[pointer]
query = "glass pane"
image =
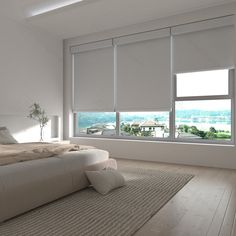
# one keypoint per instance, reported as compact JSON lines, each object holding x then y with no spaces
{"x":205,"y":83}
{"x":207,"y":119}
{"x":144,"y":124}
{"x":96,"y":123}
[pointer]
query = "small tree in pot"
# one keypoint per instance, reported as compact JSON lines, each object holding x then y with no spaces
{"x":38,"y":114}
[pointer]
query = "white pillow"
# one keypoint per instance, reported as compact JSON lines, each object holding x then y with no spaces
{"x":6,"y":137}
{"x":105,"y":180}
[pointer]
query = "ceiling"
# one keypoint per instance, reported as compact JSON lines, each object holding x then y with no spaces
{"x":92,"y":16}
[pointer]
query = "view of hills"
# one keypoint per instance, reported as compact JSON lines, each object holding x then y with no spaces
{"x":87,"y":119}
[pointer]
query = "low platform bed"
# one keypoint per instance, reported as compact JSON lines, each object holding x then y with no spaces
{"x":29,"y":184}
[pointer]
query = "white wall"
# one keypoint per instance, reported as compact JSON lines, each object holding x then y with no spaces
{"x":180,"y":153}
{"x":31,"y":63}
{"x":191,"y":154}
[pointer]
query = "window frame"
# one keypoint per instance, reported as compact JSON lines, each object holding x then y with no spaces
{"x":172,"y":130}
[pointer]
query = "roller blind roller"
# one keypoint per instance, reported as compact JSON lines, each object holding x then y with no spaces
{"x":94,"y":77}
{"x":144,"y":72}
{"x":204,"y":45}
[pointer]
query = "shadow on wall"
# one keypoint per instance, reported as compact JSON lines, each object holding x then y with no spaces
{"x":26,"y":130}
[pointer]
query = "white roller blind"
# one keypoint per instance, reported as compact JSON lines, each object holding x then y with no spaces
{"x":144,"y":72}
{"x":206,"y":45}
{"x":94,"y":76}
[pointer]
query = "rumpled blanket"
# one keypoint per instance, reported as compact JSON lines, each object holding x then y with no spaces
{"x":14,"y":153}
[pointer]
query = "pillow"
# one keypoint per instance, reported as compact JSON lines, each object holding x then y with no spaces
{"x":105,"y":180}
{"x":6,"y":137}
{"x":110,"y":163}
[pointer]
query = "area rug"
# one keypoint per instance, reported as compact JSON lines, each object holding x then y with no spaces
{"x":87,"y":213}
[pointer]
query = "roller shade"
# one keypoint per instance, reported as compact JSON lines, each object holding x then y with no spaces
{"x":204,"y":45}
{"x":143,"y":66}
{"x":94,"y":76}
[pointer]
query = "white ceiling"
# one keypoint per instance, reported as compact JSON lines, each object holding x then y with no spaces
{"x":92,"y":16}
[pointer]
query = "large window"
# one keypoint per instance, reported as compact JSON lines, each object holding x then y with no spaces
{"x":174,"y":84}
{"x":202,"y":112}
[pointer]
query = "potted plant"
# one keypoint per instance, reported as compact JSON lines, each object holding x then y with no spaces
{"x":38,"y":114}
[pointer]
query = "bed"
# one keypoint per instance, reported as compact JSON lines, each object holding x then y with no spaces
{"x":30,"y":183}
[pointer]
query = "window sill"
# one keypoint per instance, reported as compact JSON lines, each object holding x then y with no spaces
{"x":159,"y":141}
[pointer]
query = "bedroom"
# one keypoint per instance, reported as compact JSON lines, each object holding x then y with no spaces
{"x":41,"y":46}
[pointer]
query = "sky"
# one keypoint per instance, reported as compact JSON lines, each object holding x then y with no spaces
{"x":202,"y":83}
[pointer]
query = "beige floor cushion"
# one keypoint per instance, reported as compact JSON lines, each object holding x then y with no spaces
{"x":103,"y":181}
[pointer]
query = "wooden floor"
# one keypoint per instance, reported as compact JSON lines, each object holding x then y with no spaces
{"x":205,"y":206}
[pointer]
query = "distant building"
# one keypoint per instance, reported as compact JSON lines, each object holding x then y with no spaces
{"x":151,"y":125}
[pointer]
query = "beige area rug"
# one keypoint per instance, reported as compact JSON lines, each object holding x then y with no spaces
{"x":87,"y":213}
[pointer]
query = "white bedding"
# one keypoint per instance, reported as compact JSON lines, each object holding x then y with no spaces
{"x":26,"y":185}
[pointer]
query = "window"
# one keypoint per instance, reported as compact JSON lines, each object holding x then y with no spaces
{"x":202,"y":112}
{"x":203,"y":106}
{"x":171,"y":84}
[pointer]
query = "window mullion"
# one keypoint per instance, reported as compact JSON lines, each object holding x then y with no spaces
{"x":172,"y":112}
{"x":231,"y":83}
{"x":75,"y":125}
{"x":172,"y":122}
{"x":117,"y":123}
{"x":231,"y":93}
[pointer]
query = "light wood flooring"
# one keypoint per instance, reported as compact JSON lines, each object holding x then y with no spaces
{"x":205,"y":206}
